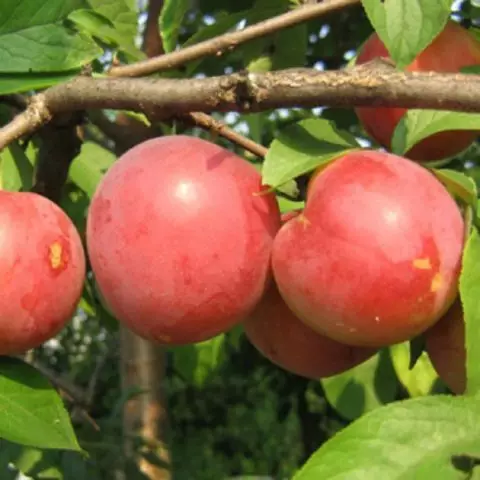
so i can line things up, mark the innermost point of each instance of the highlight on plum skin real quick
(42, 264)
(180, 233)
(375, 257)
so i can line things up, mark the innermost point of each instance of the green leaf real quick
(35, 39)
(122, 14)
(171, 18)
(32, 413)
(459, 184)
(302, 147)
(102, 28)
(407, 27)
(363, 388)
(470, 296)
(19, 14)
(195, 363)
(23, 82)
(416, 125)
(16, 170)
(89, 166)
(420, 438)
(418, 380)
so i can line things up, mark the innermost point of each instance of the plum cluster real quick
(186, 243)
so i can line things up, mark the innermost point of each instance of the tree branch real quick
(372, 85)
(209, 123)
(228, 41)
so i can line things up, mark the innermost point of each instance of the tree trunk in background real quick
(143, 363)
(145, 414)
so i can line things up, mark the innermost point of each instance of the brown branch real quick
(166, 98)
(209, 123)
(228, 41)
(152, 43)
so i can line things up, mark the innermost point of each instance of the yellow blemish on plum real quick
(422, 263)
(304, 220)
(56, 260)
(437, 282)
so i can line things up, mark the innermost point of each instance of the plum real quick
(287, 342)
(42, 264)
(445, 345)
(179, 234)
(375, 257)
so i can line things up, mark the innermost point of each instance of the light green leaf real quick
(416, 125)
(459, 184)
(32, 413)
(363, 388)
(195, 363)
(421, 439)
(407, 27)
(302, 147)
(102, 28)
(420, 379)
(171, 18)
(16, 170)
(470, 296)
(123, 15)
(89, 166)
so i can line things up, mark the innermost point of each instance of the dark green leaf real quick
(32, 412)
(416, 125)
(23, 82)
(363, 388)
(49, 47)
(470, 296)
(411, 439)
(171, 18)
(407, 27)
(302, 147)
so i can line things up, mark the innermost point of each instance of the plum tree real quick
(179, 235)
(375, 257)
(453, 49)
(42, 265)
(279, 335)
(445, 345)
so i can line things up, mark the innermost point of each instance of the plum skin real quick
(275, 331)
(42, 264)
(375, 258)
(180, 239)
(445, 345)
(453, 49)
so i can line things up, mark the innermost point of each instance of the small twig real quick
(209, 123)
(228, 41)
